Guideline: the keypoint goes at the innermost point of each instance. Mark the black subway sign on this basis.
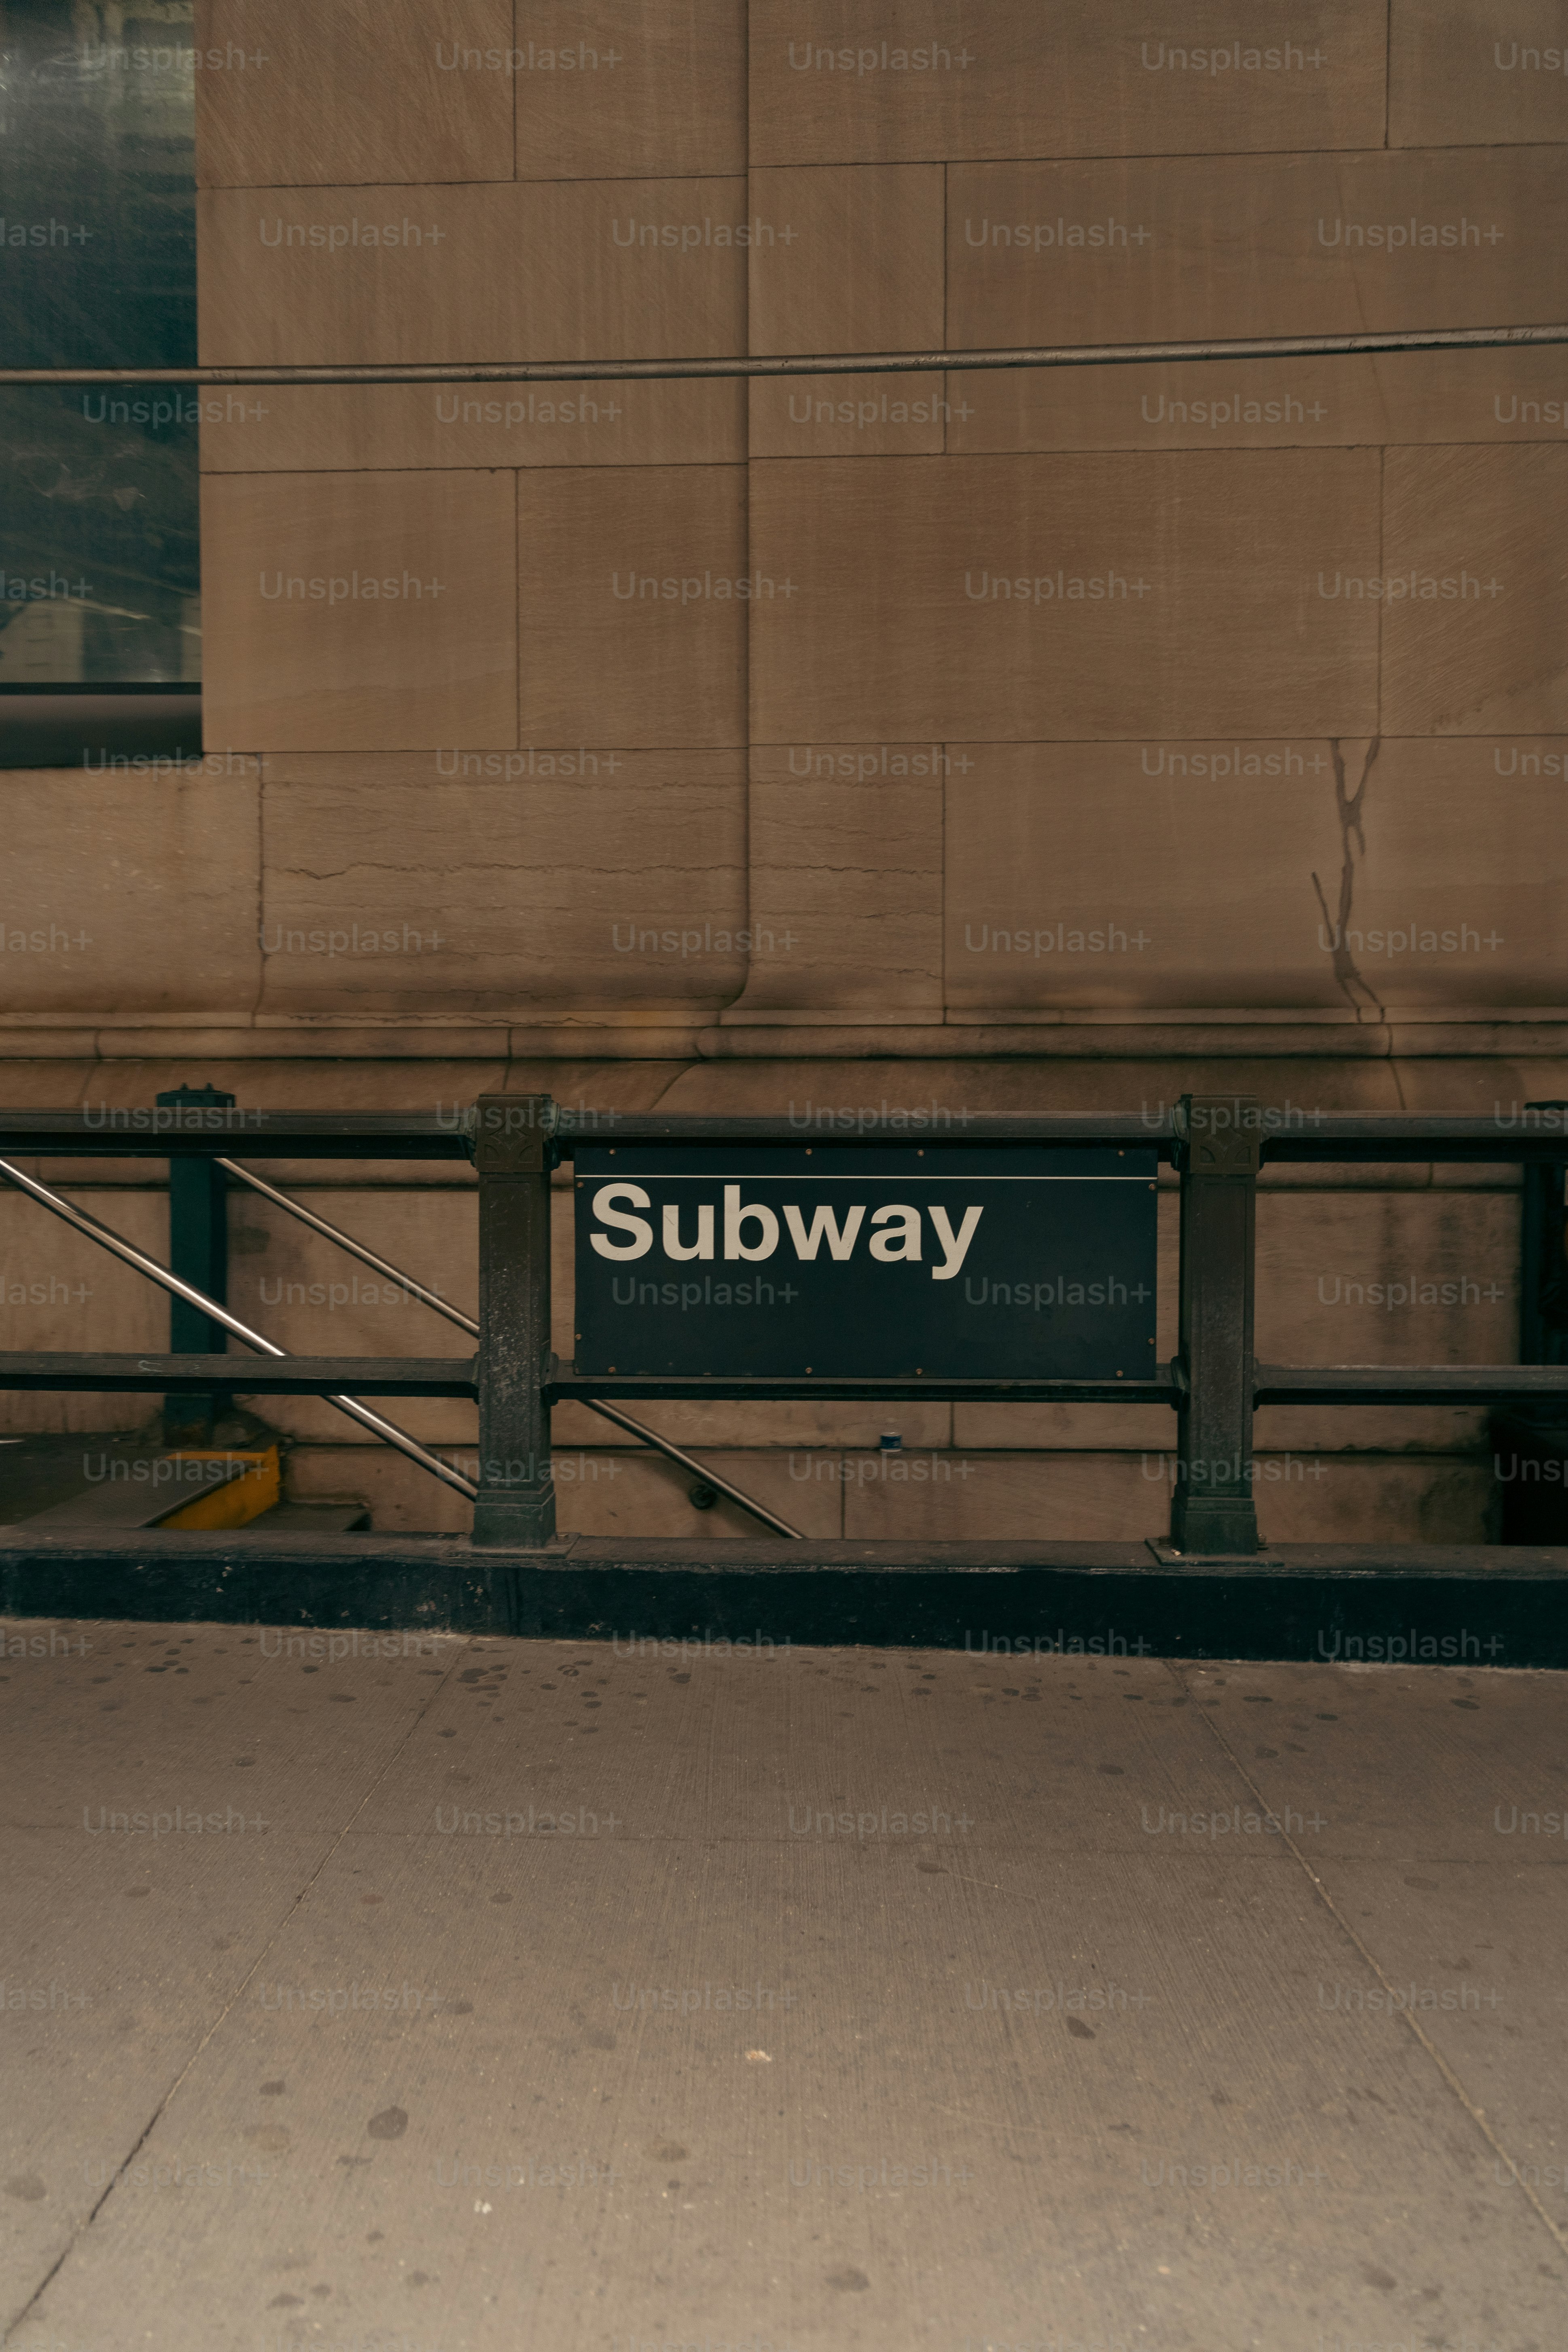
(959, 1262)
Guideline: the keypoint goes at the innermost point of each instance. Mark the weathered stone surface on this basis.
(635, 591)
(387, 274)
(523, 882)
(1473, 73)
(1015, 598)
(1198, 246)
(602, 88)
(361, 611)
(836, 81)
(1476, 599)
(285, 98)
(130, 892)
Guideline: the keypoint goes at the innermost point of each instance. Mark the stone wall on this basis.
(1014, 741)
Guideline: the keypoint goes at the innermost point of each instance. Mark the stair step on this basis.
(203, 1490)
(312, 1518)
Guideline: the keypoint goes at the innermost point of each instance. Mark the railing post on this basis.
(198, 1254)
(1213, 1509)
(514, 1151)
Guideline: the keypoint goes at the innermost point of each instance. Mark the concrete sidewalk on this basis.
(460, 1994)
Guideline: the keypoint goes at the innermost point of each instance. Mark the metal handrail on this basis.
(690, 1461)
(1213, 1394)
(466, 1323)
(926, 362)
(430, 1298)
(120, 1247)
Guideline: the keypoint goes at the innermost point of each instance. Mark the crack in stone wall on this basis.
(1352, 839)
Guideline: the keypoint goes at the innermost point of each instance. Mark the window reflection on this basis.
(98, 579)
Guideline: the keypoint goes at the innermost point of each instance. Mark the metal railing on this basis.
(1365, 342)
(1217, 1144)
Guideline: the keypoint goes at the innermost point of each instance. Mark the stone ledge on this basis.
(1220, 1036)
(1419, 1603)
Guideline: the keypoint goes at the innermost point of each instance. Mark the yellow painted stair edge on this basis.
(255, 1490)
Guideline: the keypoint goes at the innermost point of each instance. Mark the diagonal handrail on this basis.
(690, 1461)
(430, 1298)
(466, 1323)
(120, 1247)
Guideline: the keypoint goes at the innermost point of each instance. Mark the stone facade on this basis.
(882, 689)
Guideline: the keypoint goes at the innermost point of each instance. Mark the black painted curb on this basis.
(1483, 1604)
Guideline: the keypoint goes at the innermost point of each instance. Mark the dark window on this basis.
(97, 485)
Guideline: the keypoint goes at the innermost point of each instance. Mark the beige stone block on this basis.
(130, 894)
(848, 259)
(1437, 1499)
(58, 1289)
(359, 92)
(524, 884)
(1477, 642)
(1011, 1498)
(1122, 874)
(1512, 395)
(605, 91)
(852, 415)
(846, 858)
(635, 586)
(300, 655)
(1387, 1279)
(1518, 394)
(834, 81)
(1236, 404)
(542, 270)
(1306, 1498)
(1476, 73)
(380, 428)
(1247, 245)
(1289, 1431)
(1173, 597)
(1139, 1429)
